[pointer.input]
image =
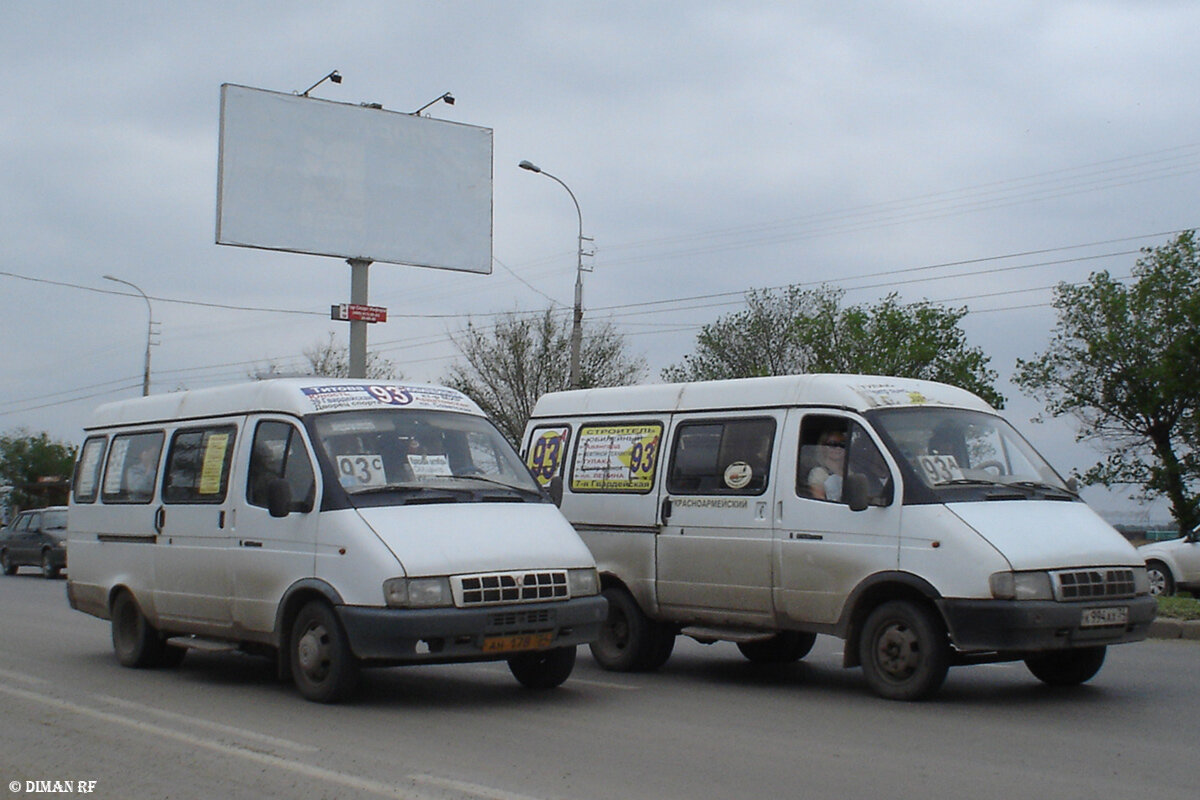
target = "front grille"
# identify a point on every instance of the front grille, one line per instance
(1093, 584)
(522, 622)
(510, 587)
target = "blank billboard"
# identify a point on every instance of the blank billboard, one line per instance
(312, 176)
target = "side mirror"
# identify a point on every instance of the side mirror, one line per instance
(279, 497)
(555, 489)
(1073, 485)
(854, 491)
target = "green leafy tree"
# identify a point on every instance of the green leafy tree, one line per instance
(506, 367)
(794, 331)
(1124, 360)
(27, 460)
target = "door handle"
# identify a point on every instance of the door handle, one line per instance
(250, 543)
(666, 509)
(160, 519)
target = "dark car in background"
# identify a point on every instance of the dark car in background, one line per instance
(36, 538)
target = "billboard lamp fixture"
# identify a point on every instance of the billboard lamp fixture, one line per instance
(335, 77)
(449, 98)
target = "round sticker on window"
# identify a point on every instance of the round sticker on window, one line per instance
(738, 474)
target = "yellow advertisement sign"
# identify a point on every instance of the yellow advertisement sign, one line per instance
(616, 458)
(214, 463)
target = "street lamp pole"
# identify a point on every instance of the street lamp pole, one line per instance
(149, 331)
(577, 323)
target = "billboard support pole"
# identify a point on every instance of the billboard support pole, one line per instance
(358, 328)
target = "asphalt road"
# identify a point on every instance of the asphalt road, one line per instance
(709, 725)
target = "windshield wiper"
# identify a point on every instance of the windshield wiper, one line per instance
(494, 482)
(1057, 491)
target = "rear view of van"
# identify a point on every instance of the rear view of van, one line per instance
(334, 525)
(906, 517)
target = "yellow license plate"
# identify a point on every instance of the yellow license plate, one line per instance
(524, 641)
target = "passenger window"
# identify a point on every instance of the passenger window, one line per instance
(87, 469)
(725, 457)
(131, 470)
(618, 457)
(832, 447)
(546, 451)
(198, 465)
(279, 452)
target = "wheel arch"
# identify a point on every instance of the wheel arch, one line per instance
(870, 594)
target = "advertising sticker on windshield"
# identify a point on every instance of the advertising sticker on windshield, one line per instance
(342, 397)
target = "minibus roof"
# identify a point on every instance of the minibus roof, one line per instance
(295, 396)
(856, 392)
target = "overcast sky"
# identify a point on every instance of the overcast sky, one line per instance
(713, 148)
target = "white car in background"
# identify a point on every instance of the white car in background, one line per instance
(1173, 565)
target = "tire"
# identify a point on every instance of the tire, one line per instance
(49, 571)
(782, 648)
(664, 645)
(629, 641)
(1161, 582)
(7, 565)
(323, 668)
(1067, 667)
(904, 651)
(543, 669)
(135, 641)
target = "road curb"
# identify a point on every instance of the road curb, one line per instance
(1163, 628)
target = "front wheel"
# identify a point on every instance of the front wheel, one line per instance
(7, 565)
(782, 648)
(543, 669)
(1161, 582)
(1067, 667)
(904, 651)
(629, 640)
(323, 668)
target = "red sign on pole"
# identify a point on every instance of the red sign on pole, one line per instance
(354, 312)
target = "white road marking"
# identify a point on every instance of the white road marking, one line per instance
(198, 722)
(334, 777)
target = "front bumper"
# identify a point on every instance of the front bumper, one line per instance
(403, 636)
(1023, 626)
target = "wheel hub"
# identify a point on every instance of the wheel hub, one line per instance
(898, 651)
(311, 650)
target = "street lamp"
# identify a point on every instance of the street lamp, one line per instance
(577, 324)
(447, 97)
(149, 332)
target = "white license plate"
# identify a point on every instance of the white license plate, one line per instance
(1099, 617)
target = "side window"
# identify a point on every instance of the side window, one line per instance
(722, 457)
(131, 469)
(198, 465)
(279, 452)
(87, 469)
(830, 448)
(546, 450)
(619, 457)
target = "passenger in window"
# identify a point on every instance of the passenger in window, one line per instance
(866, 460)
(139, 477)
(825, 479)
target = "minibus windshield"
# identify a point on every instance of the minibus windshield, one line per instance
(950, 447)
(412, 449)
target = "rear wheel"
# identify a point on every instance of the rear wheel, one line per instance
(904, 652)
(543, 669)
(7, 565)
(782, 648)
(135, 641)
(1067, 667)
(1161, 582)
(49, 571)
(630, 641)
(323, 668)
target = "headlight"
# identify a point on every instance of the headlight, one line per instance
(582, 582)
(417, 592)
(1021, 586)
(1141, 581)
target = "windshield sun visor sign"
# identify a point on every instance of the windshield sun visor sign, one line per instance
(345, 396)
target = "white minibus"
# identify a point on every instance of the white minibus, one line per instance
(906, 517)
(330, 524)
